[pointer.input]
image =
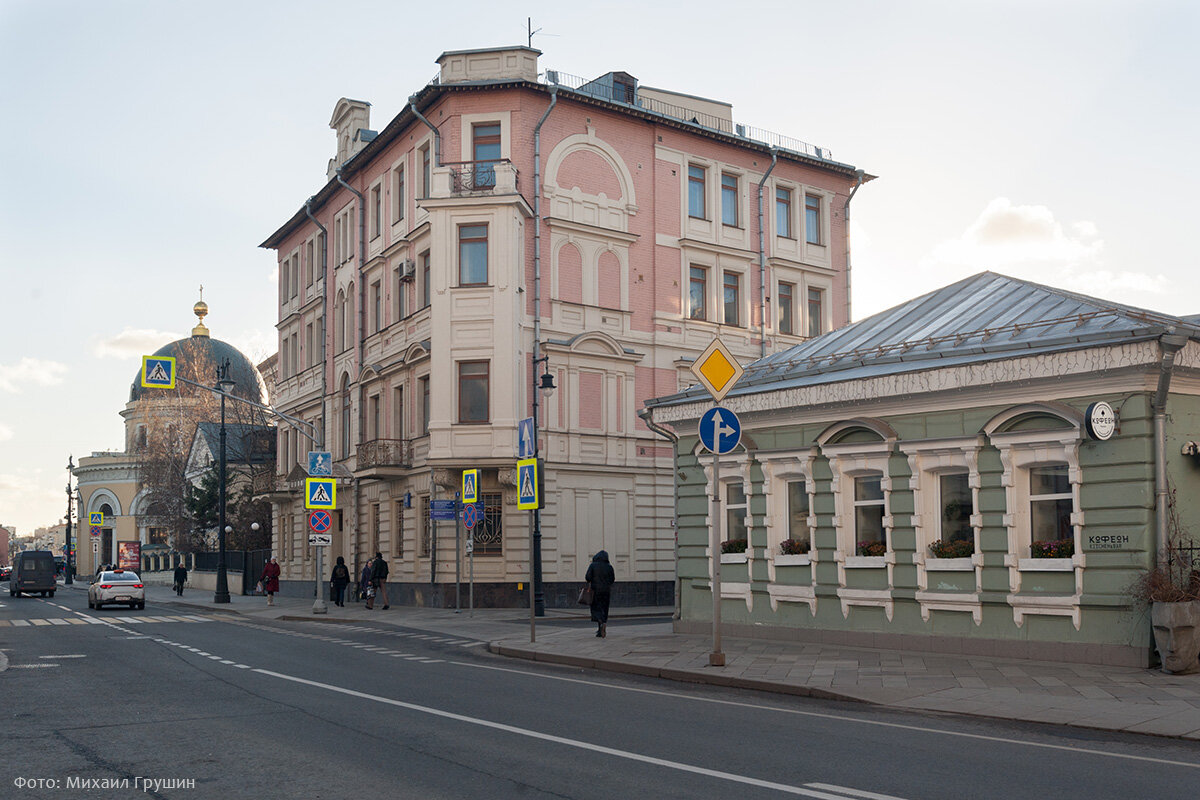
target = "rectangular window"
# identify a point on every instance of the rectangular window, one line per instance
(731, 297)
(696, 192)
(1050, 502)
(797, 511)
(308, 263)
(423, 387)
(486, 153)
(398, 287)
(735, 513)
(373, 417)
(376, 212)
(375, 527)
(472, 255)
(398, 529)
(488, 536)
(697, 291)
(815, 312)
(957, 506)
(812, 219)
(729, 200)
(425, 276)
(424, 155)
(283, 281)
(783, 213)
(398, 431)
(398, 198)
(787, 308)
(376, 307)
(473, 391)
(310, 355)
(868, 512)
(426, 528)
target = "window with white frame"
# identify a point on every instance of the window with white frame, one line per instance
(729, 200)
(812, 219)
(955, 507)
(376, 307)
(861, 487)
(798, 530)
(423, 157)
(696, 190)
(787, 307)
(1050, 503)
(472, 255)
(376, 211)
(697, 293)
(870, 538)
(399, 198)
(783, 212)
(816, 312)
(731, 293)
(735, 512)
(426, 276)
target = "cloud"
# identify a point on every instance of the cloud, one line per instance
(132, 342)
(30, 372)
(30, 504)
(5, 433)
(1029, 242)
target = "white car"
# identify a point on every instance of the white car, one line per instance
(117, 586)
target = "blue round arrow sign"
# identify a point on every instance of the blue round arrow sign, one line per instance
(720, 430)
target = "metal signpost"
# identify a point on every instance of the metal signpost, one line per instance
(470, 520)
(320, 493)
(720, 432)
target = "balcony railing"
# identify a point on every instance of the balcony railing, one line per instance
(385, 453)
(480, 177)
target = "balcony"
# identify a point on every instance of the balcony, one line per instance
(382, 454)
(475, 179)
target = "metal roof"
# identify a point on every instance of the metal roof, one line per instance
(984, 317)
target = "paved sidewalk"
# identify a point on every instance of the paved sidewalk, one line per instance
(1083, 695)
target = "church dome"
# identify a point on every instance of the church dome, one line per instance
(197, 359)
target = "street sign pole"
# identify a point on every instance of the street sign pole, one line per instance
(457, 555)
(716, 658)
(471, 555)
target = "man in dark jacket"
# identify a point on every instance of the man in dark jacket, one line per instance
(601, 576)
(379, 576)
(180, 578)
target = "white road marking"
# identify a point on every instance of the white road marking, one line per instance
(30, 666)
(837, 717)
(829, 787)
(546, 737)
(72, 655)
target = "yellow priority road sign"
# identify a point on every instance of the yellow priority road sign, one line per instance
(717, 369)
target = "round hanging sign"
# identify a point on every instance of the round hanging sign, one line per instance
(1100, 420)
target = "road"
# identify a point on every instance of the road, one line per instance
(309, 710)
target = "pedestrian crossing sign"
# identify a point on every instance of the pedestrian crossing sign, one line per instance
(96, 518)
(527, 484)
(470, 492)
(320, 493)
(158, 372)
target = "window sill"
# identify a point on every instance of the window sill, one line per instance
(793, 560)
(865, 562)
(949, 564)
(1046, 564)
(733, 558)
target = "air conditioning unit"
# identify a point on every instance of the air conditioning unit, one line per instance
(408, 270)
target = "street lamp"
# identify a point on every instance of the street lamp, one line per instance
(67, 579)
(544, 384)
(221, 595)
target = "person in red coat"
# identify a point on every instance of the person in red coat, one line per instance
(270, 580)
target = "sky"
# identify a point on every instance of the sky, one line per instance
(151, 146)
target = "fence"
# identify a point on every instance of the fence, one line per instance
(248, 563)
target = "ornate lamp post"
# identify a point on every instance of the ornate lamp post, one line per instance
(221, 595)
(545, 384)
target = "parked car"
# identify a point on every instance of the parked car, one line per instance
(33, 572)
(117, 586)
(5, 573)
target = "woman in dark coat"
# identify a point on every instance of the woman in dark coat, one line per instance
(270, 580)
(601, 576)
(339, 579)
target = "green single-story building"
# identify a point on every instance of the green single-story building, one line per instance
(984, 469)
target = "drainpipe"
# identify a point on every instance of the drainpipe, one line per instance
(1170, 344)
(437, 136)
(537, 231)
(646, 414)
(762, 262)
(325, 315)
(859, 174)
(362, 262)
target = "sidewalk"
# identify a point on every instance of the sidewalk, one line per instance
(1082, 695)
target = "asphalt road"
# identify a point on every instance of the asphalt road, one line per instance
(311, 710)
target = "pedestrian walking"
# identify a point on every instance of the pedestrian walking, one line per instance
(364, 581)
(601, 577)
(180, 578)
(379, 576)
(270, 579)
(339, 579)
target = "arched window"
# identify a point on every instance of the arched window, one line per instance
(345, 416)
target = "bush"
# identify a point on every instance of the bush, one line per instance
(734, 546)
(1176, 578)
(872, 548)
(1057, 548)
(956, 548)
(795, 547)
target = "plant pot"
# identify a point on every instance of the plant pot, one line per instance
(1177, 636)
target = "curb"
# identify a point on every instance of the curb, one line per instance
(670, 673)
